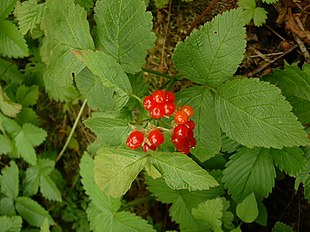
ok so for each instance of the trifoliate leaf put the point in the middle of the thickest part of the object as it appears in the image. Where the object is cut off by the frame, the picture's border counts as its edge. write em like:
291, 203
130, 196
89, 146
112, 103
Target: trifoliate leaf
31, 181
289, 160
7, 106
6, 145
281, 227
181, 172
116, 169
49, 189
254, 113
29, 15
6, 7
247, 210
27, 96
27, 115
212, 54
207, 131
250, 170
10, 224
259, 16
35, 135
9, 180
67, 24
124, 32
109, 131
12, 43
32, 212
9, 125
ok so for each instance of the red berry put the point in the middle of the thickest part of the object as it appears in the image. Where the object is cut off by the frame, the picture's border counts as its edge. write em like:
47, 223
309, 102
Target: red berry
191, 142
181, 131
156, 138
170, 97
188, 110
149, 103
158, 111
159, 96
169, 108
147, 147
190, 134
180, 117
190, 124
180, 144
135, 139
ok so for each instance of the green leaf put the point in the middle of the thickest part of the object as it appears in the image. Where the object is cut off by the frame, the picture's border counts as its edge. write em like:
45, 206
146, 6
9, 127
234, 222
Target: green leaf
301, 108
281, 227
255, 113
10, 224
229, 145
124, 32
183, 201
10, 125
109, 74
45, 226
87, 4
116, 169
262, 217
7, 106
27, 115
9, 180
304, 176
109, 131
49, 189
67, 24
289, 160
259, 16
35, 135
29, 15
161, 3
247, 4
7, 206
207, 131
212, 54
249, 170
32, 212
6, 7
270, 1
12, 43
32, 181
181, 172
6, 145
9, 72
247, 210
27, 96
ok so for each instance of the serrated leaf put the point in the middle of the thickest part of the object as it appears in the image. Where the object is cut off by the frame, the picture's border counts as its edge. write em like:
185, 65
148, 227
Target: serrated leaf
183, 201
247, 210
259, 16
212, 54
87, 4
27, 115
31, 181
116, 169
67, 24
45, 227
10, 125
12, 43
304, 176
124, 32
10, 224
6, 145
301, 108
229, 145
289, 160
211, 212
6, 7
281, 227
270, 1
27, 96
255, 113
7, 106
207, 131
181, 172
7, 206
49, 189
110, 131
249, 170
9, 72
29, 15
9, 180
247, 4
35, 135
32, 212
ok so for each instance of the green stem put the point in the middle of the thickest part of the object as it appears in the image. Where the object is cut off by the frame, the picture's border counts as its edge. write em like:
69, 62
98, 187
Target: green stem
136, 97
157, 73
72, 131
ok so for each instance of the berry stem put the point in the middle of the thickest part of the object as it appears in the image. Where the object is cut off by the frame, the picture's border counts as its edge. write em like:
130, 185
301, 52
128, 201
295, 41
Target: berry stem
137, 98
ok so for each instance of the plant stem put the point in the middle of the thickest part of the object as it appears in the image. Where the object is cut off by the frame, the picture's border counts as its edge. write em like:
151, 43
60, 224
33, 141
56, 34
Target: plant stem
137, 98
157, 73
72, 131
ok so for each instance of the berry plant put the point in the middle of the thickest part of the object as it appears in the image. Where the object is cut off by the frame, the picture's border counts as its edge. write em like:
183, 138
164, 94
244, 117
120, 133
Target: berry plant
208, 143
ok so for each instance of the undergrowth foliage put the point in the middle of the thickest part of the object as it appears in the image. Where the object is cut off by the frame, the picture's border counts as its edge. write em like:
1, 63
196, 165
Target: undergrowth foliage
251, 128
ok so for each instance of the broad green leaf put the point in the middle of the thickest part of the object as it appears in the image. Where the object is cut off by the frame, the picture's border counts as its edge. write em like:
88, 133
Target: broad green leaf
32, 181
49, 189
249, 170
289, 160
31, 211
254, 113
99, 199
116, 169
67, 24
10, 125
229, 145
247, 4
304, 176
35, 135
124, 32
181, 172
211, 212
27, 115
45, 227
109, 131
87, 4
6, 145
207, 131
10, 224
212, 54
262, 214
10, 73
27, 96
7, 106
259, 16
6, 6
12, 43
7, 206
183, 201
247, 210
29, 15
9, 180
301, 108
270, 1
281, 227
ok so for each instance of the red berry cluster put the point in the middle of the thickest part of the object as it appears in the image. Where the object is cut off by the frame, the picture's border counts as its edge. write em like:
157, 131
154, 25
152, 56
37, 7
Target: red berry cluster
183, 133
160, 103
137, 139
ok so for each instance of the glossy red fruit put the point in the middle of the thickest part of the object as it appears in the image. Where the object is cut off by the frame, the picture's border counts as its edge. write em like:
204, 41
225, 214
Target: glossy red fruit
158, 111
149, 103
156, 137
190, 124
159, 96
188, 110
190, 134
180, 144
135, 139
181, 131
147, 147
170, 97
169, 108
180, 117
191, 142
